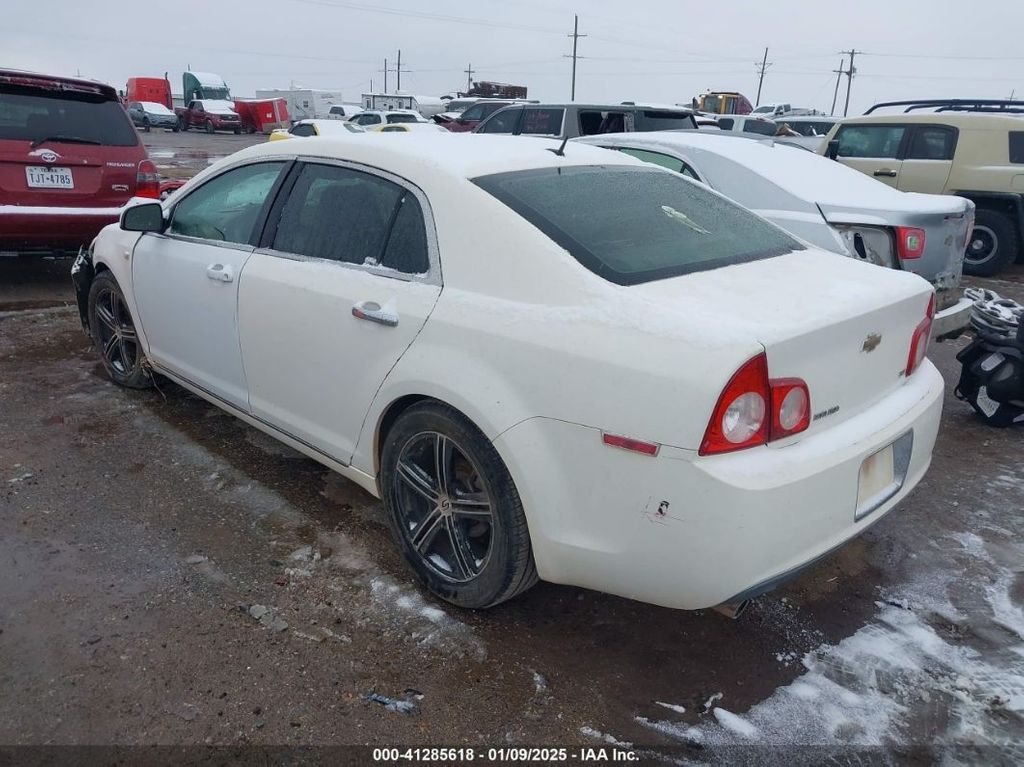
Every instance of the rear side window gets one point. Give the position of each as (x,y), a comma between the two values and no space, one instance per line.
(226,208)
(542,122)
(725,123)
(339,214)
(760,127)
(932,142)
(303,130)
(401,118)
(33,114)
(1017,146)
(656,158)
(881,141)
(634,224)
(653,119)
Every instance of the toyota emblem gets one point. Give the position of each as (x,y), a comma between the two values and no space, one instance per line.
(48,156)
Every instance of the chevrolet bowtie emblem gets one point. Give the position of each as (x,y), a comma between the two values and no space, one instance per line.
(871,343)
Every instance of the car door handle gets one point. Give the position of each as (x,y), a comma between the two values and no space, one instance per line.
(372,311)
(220,273)
(887,172)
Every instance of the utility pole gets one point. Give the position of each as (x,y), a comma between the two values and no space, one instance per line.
(469,77)
(398,71)
(761,69)
(835,96)
(849,79)
(385,70)
(575,40)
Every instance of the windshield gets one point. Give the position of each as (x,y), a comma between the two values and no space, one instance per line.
(633,224)
(157,109)
(31,114)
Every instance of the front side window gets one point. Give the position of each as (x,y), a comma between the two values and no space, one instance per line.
(402,118)
(340,214)
(653,120)
(1017,147)
(878,141)
(725,123)
(631,225)
(302,130)
(542,122)
(502,122)
(226,208)
(367,119)
(760,127)
(474,114)
(932,143)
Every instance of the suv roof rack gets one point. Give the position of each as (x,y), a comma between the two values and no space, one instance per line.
(1002,106)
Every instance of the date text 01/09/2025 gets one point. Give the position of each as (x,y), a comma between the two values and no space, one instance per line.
(504,754)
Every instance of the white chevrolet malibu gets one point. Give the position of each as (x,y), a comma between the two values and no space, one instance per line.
(576,367)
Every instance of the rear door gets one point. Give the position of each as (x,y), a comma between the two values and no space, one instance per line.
(874,149)
(929,159)
(186,280)
(65,148)
(347,276)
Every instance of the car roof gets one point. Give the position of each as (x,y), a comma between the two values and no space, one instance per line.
(423,154)
(957,119)
(40,80)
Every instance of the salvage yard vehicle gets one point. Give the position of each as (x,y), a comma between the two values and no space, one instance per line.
(759,126)
(149,114)
(370,117)
(424,127)
(211,115)
(640,387)
(306,128)
(974,154)
(813,131)
(470,117)
(833,207)
(69,161)
(572,120)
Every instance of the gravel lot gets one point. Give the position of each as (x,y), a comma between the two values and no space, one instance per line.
(170,576)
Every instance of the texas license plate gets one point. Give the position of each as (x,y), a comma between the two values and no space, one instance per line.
(877,480)
(40,177)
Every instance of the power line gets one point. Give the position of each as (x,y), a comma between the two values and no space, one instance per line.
(761,69)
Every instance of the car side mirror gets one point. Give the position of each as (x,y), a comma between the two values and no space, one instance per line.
(147,217)
(832,150)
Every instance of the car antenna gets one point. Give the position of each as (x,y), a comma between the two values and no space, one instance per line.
(561,150)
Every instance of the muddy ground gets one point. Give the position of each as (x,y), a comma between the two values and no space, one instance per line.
(169,575)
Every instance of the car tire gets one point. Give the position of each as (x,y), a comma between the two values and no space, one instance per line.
(237,131)
(464,536)
(209,126)
(182,125)
(993,245)
(113,332)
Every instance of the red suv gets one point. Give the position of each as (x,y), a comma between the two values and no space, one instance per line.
(69,161)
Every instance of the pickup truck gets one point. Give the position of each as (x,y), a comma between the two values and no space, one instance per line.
(209,114)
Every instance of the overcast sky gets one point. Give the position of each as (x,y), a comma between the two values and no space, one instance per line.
(653,50)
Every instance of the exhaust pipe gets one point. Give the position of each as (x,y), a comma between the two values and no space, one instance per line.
(732,610)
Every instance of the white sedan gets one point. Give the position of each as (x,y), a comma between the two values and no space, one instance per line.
(575,367)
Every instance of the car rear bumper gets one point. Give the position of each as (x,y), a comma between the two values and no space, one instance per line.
(690,532)
(29,228)
(952,321)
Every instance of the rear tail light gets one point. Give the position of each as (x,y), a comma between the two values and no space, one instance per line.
(147,181)
(754,410)
(909,242)
(919,341)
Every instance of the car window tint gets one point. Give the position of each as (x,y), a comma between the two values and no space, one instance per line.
(725,123)
(760,127)
(402,118)
(882,141)
(502,122)
(406,250)
(811,128)
(652,120)
(226,208)
(474,113)
(542,122)
(589,122)
(656,158)
(1017,146)
(30,114)
(932,143)
(303,130)
(337,214)
(635,224)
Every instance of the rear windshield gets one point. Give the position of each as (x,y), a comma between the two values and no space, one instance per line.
(1017,146)
(401,118)
(30,114)
(653,119)
(633,224)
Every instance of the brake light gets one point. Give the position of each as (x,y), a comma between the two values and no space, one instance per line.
(147,181)
(740,418)
(909,242)
(755,410)
(919,341)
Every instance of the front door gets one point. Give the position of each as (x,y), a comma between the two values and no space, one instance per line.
(345,283)
(873,149)
(186,280)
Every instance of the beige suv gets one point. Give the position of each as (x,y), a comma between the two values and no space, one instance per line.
(977,155)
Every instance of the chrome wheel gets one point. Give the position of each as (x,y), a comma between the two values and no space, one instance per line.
(117,340)
(445,508)
(982,246)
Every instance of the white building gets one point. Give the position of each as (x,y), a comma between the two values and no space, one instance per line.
(304,103)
